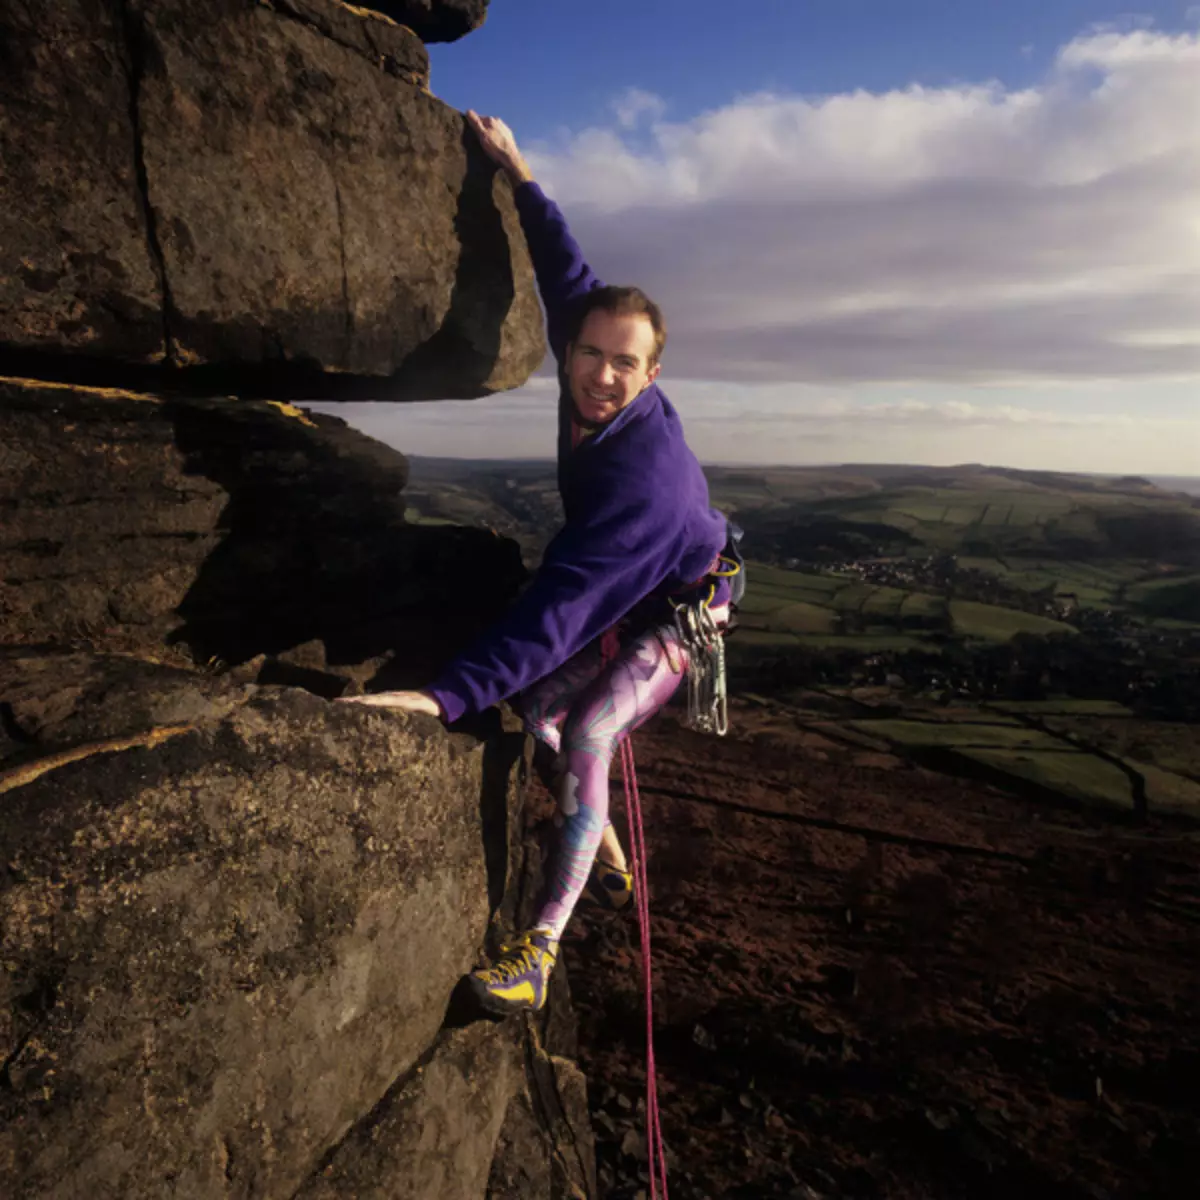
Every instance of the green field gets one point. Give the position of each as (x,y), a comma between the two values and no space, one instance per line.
(1093,585)
(1036,531)
(991,623)
(795,607)
(955,733)
(1075,775)
(1063,707)
(1039,757)
(1175,597)
(1168,792)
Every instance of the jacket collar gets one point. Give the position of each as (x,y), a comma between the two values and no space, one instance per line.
(638,408)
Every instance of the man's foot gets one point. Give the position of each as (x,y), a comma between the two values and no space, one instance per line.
(608,886)
(519,977)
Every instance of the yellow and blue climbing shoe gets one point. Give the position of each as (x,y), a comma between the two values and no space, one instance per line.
(609,886)
(519,978)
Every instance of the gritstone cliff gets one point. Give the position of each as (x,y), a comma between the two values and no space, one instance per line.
(233,914)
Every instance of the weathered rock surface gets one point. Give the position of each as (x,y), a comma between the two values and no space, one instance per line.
(545,1148)
(243,186)
(430,1130)
(233,916)
(229,942)
(436,20)
(76,272)
(211,965)
(230,529)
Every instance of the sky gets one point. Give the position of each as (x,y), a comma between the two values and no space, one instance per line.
(881,230)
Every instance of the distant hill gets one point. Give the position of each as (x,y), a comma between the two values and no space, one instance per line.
(862,510)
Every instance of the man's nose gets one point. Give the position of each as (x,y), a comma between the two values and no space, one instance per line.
(605,373)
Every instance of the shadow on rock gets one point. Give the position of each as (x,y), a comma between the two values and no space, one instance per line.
(315,548)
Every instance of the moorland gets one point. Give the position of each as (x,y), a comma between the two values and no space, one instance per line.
(1036,630)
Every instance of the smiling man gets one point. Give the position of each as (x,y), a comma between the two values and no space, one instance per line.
(614,357)
(640,537)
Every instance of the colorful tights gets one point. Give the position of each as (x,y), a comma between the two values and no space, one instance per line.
(582,712)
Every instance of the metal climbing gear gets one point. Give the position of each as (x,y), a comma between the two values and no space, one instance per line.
(708,704)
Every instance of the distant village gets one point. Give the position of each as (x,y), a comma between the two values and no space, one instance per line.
(1112,655)
(942,574)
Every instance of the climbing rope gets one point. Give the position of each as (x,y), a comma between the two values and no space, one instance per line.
(655,1151)
(708,713)
(610,647)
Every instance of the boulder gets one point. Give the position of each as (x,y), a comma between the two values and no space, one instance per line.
(260,193)
(436,20)
(233,919)
(233,915)
(222,947)
(545,1149)
(76,271)
(228,531)
(435,1133)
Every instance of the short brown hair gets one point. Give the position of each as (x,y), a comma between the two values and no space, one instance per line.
(621,302)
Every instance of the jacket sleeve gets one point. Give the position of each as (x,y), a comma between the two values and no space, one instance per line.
(558,263)
(591,576)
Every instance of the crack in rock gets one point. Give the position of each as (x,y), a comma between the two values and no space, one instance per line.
(135,47)
(28,772)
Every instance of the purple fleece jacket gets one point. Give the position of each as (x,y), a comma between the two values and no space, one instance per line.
(638,519)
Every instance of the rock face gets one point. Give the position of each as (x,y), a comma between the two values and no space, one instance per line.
(436,20)
(229,942)
(231,529)
(263,189)
(233,914)
(226,976)
(76,272)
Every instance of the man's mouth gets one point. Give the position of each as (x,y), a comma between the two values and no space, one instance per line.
(600,397)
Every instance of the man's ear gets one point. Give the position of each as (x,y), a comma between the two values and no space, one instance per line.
(652,374)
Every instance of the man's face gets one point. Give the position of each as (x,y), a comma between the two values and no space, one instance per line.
(609,363)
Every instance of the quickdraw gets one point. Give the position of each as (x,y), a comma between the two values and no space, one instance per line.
(708,702)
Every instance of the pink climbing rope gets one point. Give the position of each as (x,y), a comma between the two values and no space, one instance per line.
(610,646)
(637,841)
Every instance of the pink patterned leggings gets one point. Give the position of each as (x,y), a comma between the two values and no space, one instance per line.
(582,712)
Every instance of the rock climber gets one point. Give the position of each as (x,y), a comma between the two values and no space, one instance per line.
(639,536)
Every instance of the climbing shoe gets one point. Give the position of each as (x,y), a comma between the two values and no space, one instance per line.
(520,976)
(609,886)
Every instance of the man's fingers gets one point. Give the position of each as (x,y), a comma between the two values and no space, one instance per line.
(489,125)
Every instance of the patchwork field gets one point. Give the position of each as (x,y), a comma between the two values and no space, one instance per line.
(786,607)
(1062,754)
(935,587)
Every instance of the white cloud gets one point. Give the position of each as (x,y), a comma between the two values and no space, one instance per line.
(635,105)
(1147,427)
(929,275)
(972,234)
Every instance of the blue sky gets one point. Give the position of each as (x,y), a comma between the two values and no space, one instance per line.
(882,230)
(546,64)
